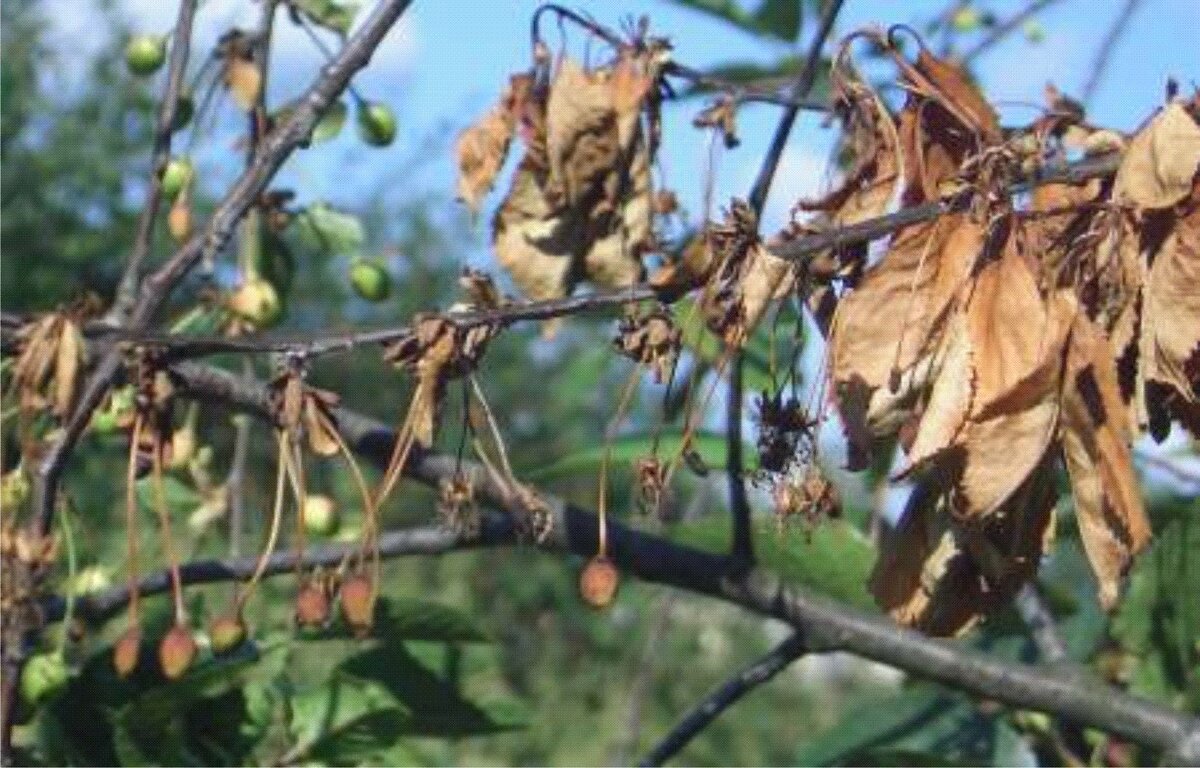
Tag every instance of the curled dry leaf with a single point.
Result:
(435, 351)
(482, 148)
(744, 276)
(941, 574)
(243, 80)
(652, 340)
(1160, 164)
(581, 202)
(1095, 436)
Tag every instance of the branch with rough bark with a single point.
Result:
(825, 624)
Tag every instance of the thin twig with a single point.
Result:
(1107, 48)
(745, 681)
(165, 127)
(739, 501)
(1043, 629)
(1004, 29)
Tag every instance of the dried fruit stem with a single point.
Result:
(371, 531)
(273, 532)
(164, 518)
(610, 435)
(131, 518)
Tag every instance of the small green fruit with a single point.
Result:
(176, 652)
(320, 515)
(227, 632)
(965, 19)
(126, 652)
(376, 123)
(370, 280)
(145, 54)
(358, 603)
(176, 176)
(45, 676)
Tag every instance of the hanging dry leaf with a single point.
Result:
(482, 148)
(69, 361)
(1108, 506)
(581, 202)
(1160, 164)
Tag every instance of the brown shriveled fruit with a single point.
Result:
(176, 652)
(312, 606)
(126, 652)
(227, 632)
(358, 603)
(598, 582)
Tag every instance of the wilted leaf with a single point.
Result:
(1108, 506)
(1158, 167)
(482, 147)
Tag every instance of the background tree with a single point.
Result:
(488, 655)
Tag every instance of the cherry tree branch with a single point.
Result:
(746, 680)
(825, 624)
(275, 148)
(164, 129)
(1107, 47)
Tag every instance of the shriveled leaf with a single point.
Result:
(482, 147)
(886, 329)
(941, 574)
(1108, 505)
(66, 368)
(1170, 322)
(1158, 167)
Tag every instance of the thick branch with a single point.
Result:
(761, 671)
(825, 624)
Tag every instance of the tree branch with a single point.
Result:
(761, 671)
(181, 41)
(1104, 54)
(825, 624)
(275, 149)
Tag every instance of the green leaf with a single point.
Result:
(335, 15)
(625, 451)
(437, 707)
(398, 620)
(780, 19)
(346, 719)
(834, 558)
(200, 320)
(327, 230)
(179, 496)
(331, 122)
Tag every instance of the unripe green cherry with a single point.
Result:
(370, 280)
(145, 54)
(44, 676)
(376, 123)
(176, 176)
(320, 515)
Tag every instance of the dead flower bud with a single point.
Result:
(652, 340)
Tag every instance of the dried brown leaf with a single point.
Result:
(482, 147)
(243, 80)
(1160, 164)
(1170, 323)
(1095, 437)
(69, 360)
